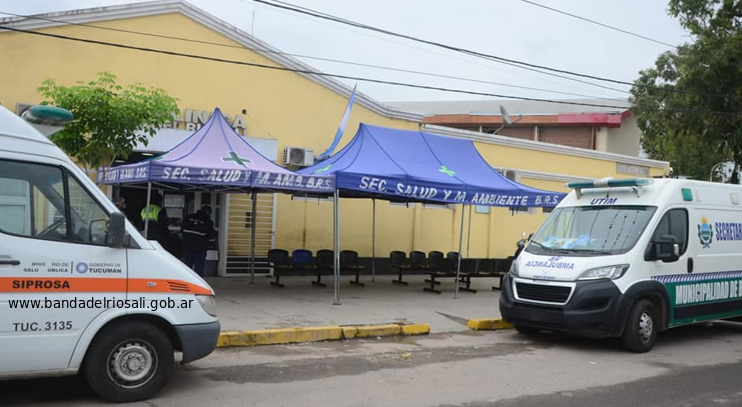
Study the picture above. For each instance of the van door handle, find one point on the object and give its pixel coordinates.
(10, 262)
(690, 264)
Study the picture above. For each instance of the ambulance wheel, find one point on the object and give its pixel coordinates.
(526, 330)
(641, 331)
(128, 362)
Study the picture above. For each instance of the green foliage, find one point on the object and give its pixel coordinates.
(686, 85)
(109, 120)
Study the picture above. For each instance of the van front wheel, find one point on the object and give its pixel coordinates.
(641, 331)
(128, 362)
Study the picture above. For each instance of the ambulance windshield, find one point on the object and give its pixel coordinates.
(591, 230)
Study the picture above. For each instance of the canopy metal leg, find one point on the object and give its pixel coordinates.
(252, 236)
(336, 225)
(373, 242)
(146, 210)
(468, 234)
(458, 266)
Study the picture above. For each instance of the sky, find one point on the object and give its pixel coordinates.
(507, 28)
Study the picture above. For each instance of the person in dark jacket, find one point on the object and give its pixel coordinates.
(197, 230)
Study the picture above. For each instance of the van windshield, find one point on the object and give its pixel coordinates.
(591, 230)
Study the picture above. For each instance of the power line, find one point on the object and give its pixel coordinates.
(347, 77)
(325, 16)
(299, 55)
(445, 55)
(521, 64)
(598, 23)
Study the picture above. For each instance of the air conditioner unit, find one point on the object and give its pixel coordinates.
(512, 175)
(301, 157)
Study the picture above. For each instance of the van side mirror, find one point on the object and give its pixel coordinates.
(116, 230)
(666, 249)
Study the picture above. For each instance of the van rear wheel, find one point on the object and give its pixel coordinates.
(641, 331)
(128, 362)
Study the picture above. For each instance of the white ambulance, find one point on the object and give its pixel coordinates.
(629, 258)
(80, 289)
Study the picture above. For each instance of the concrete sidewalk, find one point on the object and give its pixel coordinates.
(243, 307)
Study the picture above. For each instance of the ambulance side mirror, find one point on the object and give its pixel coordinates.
(522, 242)
(116, 230)
(666, 249)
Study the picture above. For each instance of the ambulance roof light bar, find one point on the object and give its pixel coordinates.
(635, 183)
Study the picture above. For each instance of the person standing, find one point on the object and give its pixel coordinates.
(156, 226)
(120, 203)
(197, 229)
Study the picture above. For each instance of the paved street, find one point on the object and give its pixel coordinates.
(694, 366)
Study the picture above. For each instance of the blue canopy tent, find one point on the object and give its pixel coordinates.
(414, 166)
(215, 158)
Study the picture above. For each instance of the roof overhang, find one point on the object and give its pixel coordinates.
(544, 147)
(561, 119)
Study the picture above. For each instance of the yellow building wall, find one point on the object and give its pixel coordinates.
(280, 105)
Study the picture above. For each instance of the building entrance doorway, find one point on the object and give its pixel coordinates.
(177, 205)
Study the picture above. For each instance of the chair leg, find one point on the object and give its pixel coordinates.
(357, 281)
(432, 283)
(277, 283)
(399, 281)
(467, 285)
(319, 282)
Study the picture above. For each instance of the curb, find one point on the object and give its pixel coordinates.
(488, 324)
(316, 334)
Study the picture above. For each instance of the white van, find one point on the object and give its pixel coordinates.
(80, 289)
(629, 258)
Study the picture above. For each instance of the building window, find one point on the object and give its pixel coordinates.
(482, 209)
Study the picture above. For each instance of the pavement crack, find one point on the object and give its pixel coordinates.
(454, 318)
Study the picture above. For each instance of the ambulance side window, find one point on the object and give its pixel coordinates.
(675, 223)
(89, 221)
(30, 202)
(45, 202)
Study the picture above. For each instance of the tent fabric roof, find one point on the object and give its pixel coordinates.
(402, 165)
(217, 157)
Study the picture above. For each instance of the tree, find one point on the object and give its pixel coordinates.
(689, 105)
(109, 120)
